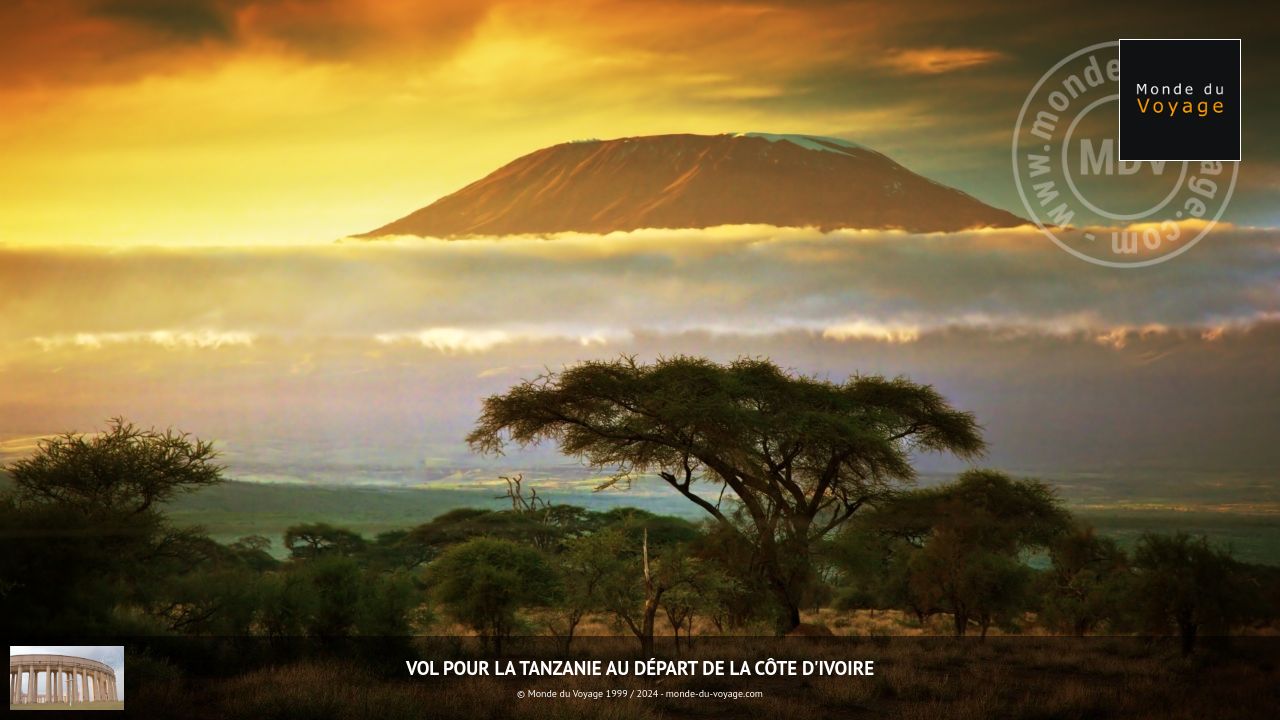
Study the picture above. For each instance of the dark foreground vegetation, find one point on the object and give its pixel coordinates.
(1017, 678)
(805, 489)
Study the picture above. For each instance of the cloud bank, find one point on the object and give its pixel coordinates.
(367, 362)
(742, 280)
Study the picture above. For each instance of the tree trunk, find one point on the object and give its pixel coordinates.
(789, 615)
(793, 616)
(962, 622)
(568, 637)
(652, 594)
(646, 628)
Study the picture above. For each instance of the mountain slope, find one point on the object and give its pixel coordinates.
(691, 181)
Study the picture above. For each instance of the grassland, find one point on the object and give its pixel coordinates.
(236, 509)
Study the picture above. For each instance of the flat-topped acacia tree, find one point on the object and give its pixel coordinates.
(800, 454)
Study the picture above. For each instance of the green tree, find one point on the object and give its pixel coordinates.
(632, 574)
(800, 454)
(860, 559)
(284, 604)
(546, 527)
(124, 470)
(198, 587)
(83, 533)
(484, 582)
(1086, 583)
(333, 583)
(702, 589)
(386, 601)
(1185, 583)
(962, 544)
(253, 551)
(745, 597)
(314, 539)
(584, 568)
(969, 582)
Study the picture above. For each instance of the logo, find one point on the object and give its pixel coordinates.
(1103, 210)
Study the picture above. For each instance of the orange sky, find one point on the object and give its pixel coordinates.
(285, 122)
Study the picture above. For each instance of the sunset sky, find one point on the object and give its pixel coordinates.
(173, 176)
(296, 121)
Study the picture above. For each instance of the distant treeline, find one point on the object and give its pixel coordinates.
(806, 486)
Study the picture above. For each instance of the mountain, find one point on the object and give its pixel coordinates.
(691, 181)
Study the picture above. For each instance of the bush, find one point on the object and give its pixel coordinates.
(484, 582)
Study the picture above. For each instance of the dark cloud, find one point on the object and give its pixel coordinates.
(184, 19)
(75, 43)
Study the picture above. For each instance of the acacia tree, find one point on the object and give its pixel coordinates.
(315, 539)
(633, 576)
(82, 528)
(801, 455)
(584, 567)
(1086, 583)
(484, 582)
(1185, 582)
(960, 544)
(124, 470)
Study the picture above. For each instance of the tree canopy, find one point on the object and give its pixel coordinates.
(84, 532)
(800, 454)
(485, 581)
(122, 469)
(958, 545)
(1184, 582)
